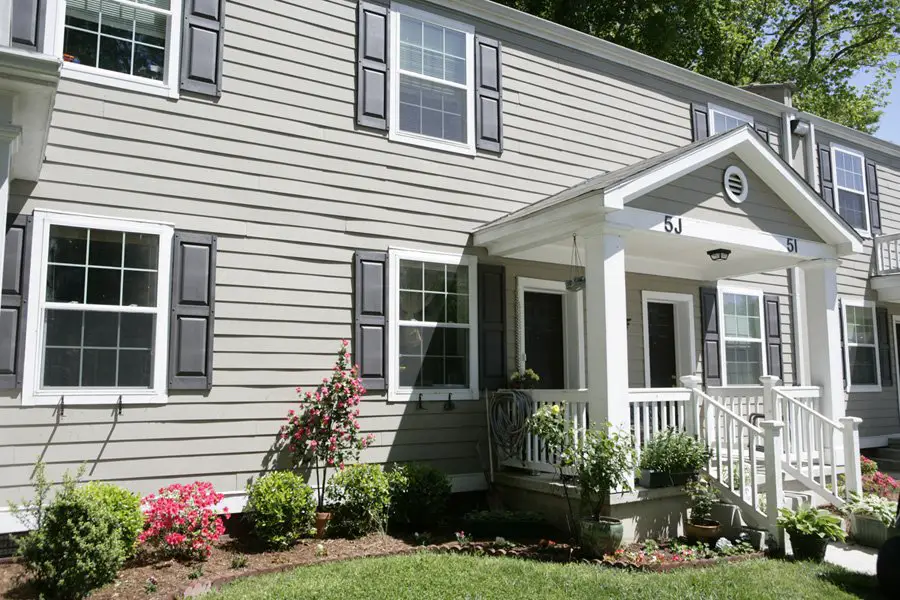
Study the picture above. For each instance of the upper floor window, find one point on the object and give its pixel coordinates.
(434, 339)
(743, 329)
(850, 186)
(432, 80)
(861, 358)
(723, 119)
(131, 42)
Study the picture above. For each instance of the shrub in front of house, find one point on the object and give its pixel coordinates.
(419, 496)
(76, 546)
(282, 508)
(359, 498)
(125, 507)
(671, 458)
(182, 521)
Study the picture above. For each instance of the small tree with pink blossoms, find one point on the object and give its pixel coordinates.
(325, 432)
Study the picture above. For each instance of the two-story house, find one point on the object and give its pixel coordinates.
(205, 196)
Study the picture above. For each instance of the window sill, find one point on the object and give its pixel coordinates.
(78, 72)
(863, 389)
(430, 142)
(93, 398)
(406, 395)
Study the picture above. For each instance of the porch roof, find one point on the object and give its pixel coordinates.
(595, 200)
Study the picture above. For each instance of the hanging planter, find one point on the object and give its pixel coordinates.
(575, 283)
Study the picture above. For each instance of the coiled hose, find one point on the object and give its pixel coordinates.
(508, 412)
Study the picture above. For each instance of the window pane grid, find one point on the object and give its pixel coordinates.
(726, 122)
(742, 317)
(862, 348)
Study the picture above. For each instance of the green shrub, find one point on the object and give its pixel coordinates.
(124, 506)
(359, 497)
(77, 549)
(809, 520)
(419, 495)
(282, 508)
(674, 451)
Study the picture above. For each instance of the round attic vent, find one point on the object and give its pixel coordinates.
(736, 186)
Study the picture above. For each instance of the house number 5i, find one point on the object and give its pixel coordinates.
(672, 224)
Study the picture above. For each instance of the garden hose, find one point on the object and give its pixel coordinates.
(508, 412)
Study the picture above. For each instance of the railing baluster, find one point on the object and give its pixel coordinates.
(834, 480)
(820, 446)
(663, 415)
(645, 410)
(728, 440)
(809, 433)
(636, 426)
(741, 458)
(754, 484)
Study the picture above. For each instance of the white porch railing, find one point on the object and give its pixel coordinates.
(657, 409)
(749, 400)
(887, 254)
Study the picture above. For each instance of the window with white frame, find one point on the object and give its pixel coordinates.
(433, 80)
(861, 346)
(123, 39)
(434, 349)
(100, 294)
(742, 336)
(724, 119)
(850, 186)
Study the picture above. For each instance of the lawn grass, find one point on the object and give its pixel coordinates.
(455, 577)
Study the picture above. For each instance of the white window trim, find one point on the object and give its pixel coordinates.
(168, 87)
(573, 332)
(835, 148)
(723, 338)
(685, 348)
(711, 109)
(862, 303)
(32, 394)
(394, 133)
(406, 394)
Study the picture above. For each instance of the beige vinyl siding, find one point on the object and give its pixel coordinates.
(701, 195)
(277, 169)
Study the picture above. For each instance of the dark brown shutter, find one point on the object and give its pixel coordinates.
(884, 346)
(26, 14)
(16, 267)
(709, 324)
(193, 311)
(488, 94)
(773, 335)
(699, 122)
(372, 44)
(371, 319)
(492, 326)
(874, 201)
(826, 184)
(202, 45)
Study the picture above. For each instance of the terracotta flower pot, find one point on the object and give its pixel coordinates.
(322, 519)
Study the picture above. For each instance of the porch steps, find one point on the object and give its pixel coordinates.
(888, 458)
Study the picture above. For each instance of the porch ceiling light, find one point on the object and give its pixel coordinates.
(719, 254)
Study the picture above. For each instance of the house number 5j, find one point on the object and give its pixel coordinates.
(792, 245)
(672, 225)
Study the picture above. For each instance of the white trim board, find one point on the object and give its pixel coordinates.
(236, 500)
(685, 348)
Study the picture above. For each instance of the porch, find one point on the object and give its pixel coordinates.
(712, 216)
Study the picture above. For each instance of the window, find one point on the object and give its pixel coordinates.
(850, 187)
(433, 80)
(101, 291)
(132, 43)
(434, 337)
(723, 119)
(742, 342)
(863, 370)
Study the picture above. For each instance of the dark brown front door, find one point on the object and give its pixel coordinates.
(661, 350)
(544, 339)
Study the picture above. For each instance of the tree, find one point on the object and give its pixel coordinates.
(819, 45)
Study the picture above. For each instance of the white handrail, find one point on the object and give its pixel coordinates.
(887, 254)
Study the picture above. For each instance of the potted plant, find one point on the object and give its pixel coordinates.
(700, 525)
(527, 380)
(325, 432)
(871, 519)
(672, 458)
(811, 530)
(604, 461)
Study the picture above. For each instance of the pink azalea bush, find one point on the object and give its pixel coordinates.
(326, 430)
(182, 521)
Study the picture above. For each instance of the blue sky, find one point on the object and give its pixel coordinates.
(889, 126)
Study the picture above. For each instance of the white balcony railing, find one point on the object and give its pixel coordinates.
(887, 254)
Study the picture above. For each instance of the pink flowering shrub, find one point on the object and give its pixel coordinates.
(881, 484)
(867, 466)
(326, 431)
(182, 521)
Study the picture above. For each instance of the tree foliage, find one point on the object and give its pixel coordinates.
(819, 45)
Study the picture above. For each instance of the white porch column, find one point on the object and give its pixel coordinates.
(5, 22)
(606, 328)
(823, 331)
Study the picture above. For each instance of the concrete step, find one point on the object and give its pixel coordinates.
(889, 453)
(894, 442)
(887, 464)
